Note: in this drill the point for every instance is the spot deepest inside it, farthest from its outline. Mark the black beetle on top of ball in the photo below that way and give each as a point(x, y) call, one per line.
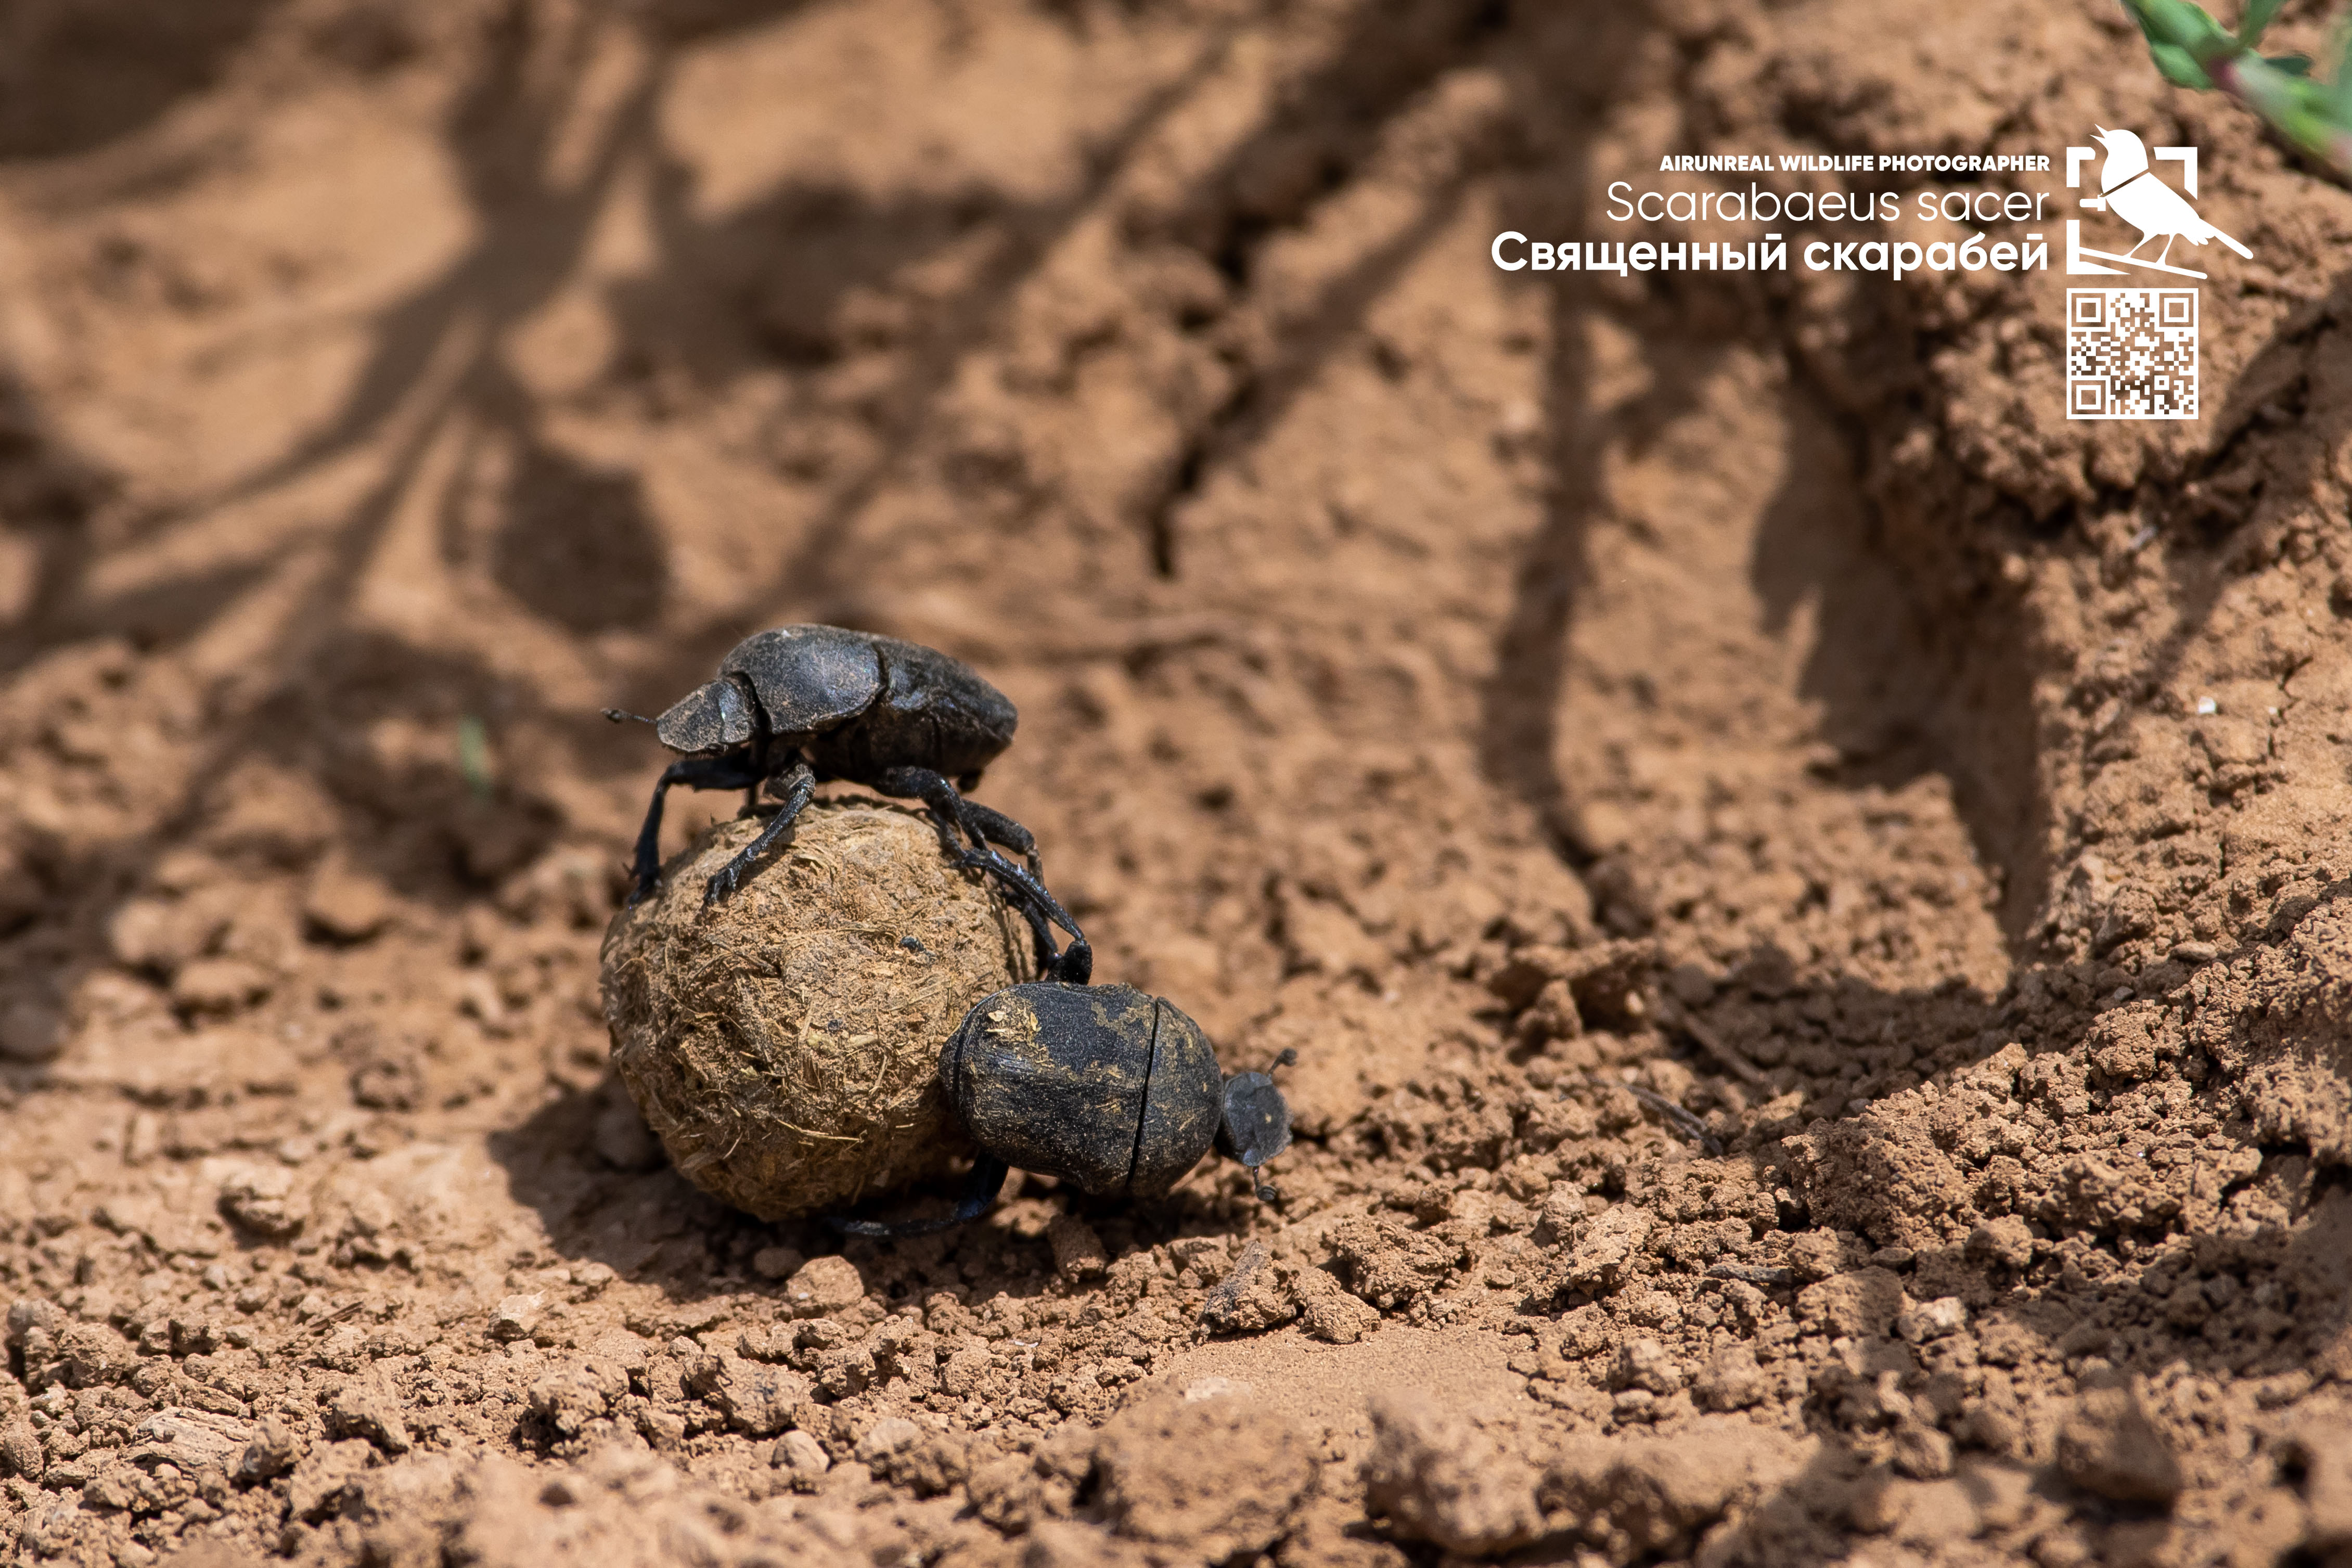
point(1103, 1086)
point(801, 705)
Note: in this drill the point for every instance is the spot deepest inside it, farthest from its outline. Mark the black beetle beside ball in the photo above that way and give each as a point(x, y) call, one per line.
point(1103, 1086)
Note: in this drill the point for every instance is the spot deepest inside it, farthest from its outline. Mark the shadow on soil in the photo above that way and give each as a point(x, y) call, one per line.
point(588, 1167)
point(77, 74)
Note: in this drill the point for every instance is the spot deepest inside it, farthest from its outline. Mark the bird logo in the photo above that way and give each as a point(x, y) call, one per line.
point(2133, 191)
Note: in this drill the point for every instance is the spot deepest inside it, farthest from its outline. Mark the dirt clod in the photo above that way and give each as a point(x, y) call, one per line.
point(1865, 1303)
point(801, 1455)
point(20, 1450)
point(343, 904)
point(1329, 1312)
point(264, 1199)
point(1078, 1250)
point(368, 1406)
point(1437, 1480)
point(1732, 1379)
point(2109, 1446)
point(275, 1449)
point(757, 1401)
point(1220, 1478)
point(1598, 1260)
point(1654, 1495)
point(824, 1284)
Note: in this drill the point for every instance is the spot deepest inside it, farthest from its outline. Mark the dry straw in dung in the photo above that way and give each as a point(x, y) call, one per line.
point(784, 1041)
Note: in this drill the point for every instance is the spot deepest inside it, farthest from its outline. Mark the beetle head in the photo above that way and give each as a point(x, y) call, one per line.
point(710, 718)
point(1255, 1126)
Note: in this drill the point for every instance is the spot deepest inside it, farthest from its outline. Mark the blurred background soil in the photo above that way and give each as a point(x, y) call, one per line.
point(1809, 890)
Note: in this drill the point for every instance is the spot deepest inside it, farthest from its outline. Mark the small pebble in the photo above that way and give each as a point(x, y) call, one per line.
point(822, 1286)
point(801, 1454)
point(886, 1440)
point(776, 1262)
point(517, 1317)
point(1078, 1252)
point(1933, 1320)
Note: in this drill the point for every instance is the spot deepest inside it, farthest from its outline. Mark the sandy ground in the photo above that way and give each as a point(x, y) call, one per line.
point(1805, 887)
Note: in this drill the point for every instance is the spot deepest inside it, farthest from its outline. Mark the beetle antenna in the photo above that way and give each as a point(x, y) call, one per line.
point(1286, 1057)
point(618, 715)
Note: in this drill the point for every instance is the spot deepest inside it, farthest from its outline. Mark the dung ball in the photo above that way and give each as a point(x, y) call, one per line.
point(783, 1041)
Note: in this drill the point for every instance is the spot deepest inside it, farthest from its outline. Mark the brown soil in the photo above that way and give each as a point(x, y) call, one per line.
point(1816, 1040)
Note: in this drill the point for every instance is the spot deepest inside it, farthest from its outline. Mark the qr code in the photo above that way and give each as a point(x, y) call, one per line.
point(2131, 353)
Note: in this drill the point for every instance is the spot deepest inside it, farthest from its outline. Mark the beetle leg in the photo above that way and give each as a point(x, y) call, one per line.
point(939, 797)
point(980, 1190)
point(1041, 934)
point(950, 811)
point(1073, 965)
point(795, 787)
point(999, 828)
point(695, 773)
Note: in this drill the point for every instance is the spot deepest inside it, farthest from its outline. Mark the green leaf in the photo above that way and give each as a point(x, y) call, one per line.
point(2339, 95)
point(2193, 51)
point(2153, 22)
point(2180, 67)
point(2175, 24)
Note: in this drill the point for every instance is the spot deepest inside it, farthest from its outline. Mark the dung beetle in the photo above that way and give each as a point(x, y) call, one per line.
point(1103, 1086)
point(802, 705)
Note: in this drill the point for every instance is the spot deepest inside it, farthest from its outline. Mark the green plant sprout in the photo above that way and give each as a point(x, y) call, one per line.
point(2193, 50)
point(474, 756)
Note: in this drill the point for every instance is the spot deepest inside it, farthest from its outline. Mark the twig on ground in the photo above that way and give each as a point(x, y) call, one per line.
point(1680, 1119)
point(1703, 1035)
